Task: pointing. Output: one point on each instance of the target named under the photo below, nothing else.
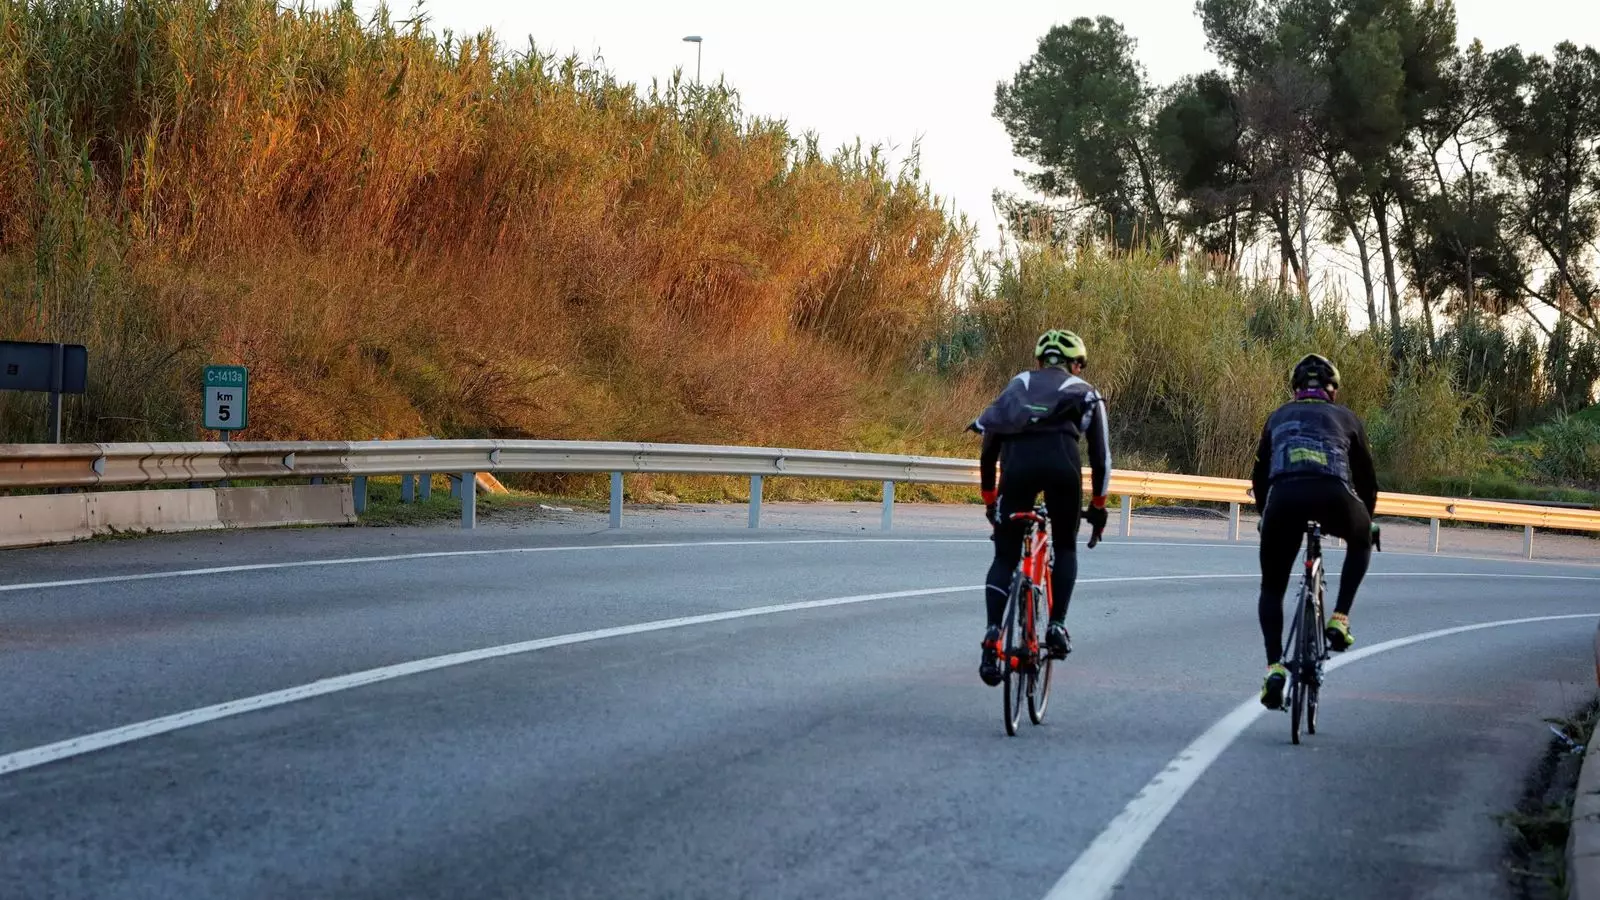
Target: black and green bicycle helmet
(1058, 346)
(1313, 372)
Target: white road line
(100, 740)
(38, 756)
(77, 746)
(1095, 874)
(452, 554)
(510, 551)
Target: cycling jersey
(1032, 429)
(1313, 438)
(1040, 416)
(1312, 463)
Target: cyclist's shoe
(1338, 633)
(989, 669)
(1272, 688)
(1057, 641)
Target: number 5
(223, 413)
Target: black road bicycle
(1307, 645)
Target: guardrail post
(616, 499)
(469, 500)
(359, 488)
(1433, 535)
(1127, 515)
(755, 501)
(888, 505)
(425, 485)
(408, 490)
(1527, 541)
(317, 479)
(1233, 521)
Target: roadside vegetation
(405, 232)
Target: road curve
(709, 715)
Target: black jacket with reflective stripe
(1041, 404)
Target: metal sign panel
(27, 366)
(227, 392)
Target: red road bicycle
(1027, 669)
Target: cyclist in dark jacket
(1032, 429)
(1312, 464)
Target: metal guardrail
(90, 465)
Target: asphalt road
(840, 749)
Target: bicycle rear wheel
(1039, 681)
(1296, 664)
(1304, 671)
(1320, 653)
(1012, 651)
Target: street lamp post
(697, 41)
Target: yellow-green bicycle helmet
(1057, 346)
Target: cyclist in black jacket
(1312, 463)
(1032, 429)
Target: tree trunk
(1408, 236)
(1151, 193)
(1280, 218)
(1346, 210)
(1365, 252)
(1380, 212)
(1302, 214)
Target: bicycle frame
(1038, 554)
(1036, 566)
(1027, 668)
(1305, 648)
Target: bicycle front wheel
(1039, 682)
(1303, 674)
(1297, 707)
(1012, 653)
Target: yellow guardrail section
(32, 466)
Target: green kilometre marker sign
(227, 391)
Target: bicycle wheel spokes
(1317, 658)
(1308, 653)
(1039, 684)
(1016, 680)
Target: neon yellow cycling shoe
(1338, 633)
(1272, 688)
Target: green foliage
(1192, 360)
(1080, 109)
(1563, 452)
(1549, 112)
(1428, 427)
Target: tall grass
(1193, 359)
(404, 232)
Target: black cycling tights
(1062, 496)
(1290, 505)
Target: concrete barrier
(61, 518)
(310, 504)
(44, 519)
(161, 510)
